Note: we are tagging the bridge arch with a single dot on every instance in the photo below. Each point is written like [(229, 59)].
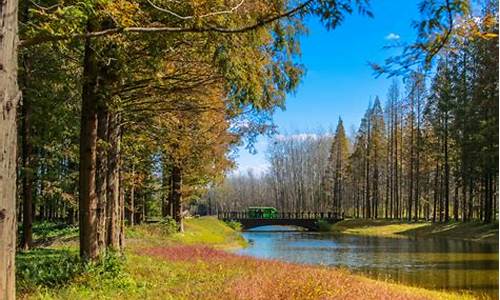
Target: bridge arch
[(309, 224)]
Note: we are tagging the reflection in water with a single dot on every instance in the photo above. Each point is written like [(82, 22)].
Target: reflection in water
[(431, 263)]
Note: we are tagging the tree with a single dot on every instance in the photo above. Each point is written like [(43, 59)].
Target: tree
[(378, 153), (10, 96), (336, 170)]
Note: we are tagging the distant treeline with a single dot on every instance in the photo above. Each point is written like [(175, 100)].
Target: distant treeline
[(431, 152)]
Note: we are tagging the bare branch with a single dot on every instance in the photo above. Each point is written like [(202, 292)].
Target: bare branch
[(165, 10)]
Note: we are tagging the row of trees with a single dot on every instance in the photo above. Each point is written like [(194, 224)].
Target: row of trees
[(431, 152), (112, 122), (292, 183), (131, 107)]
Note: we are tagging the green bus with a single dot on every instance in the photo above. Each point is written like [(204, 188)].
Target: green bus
[(262, 213)]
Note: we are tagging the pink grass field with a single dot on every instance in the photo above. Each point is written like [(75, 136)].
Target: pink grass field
[(251, 278)]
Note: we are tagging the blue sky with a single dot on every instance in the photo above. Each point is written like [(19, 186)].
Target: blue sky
[(338, 80)]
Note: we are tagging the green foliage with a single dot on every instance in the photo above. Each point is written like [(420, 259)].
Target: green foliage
[(46, 268), (236, 226), (50, 230), (168, 225), (41, 270), (109, 271), (323, 225), (162, 229)]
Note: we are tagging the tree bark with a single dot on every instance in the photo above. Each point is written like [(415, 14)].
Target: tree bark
[(132, 198), (177, 196), (113, 182), (121, 193), (367, 188), (27, 149), (101, 174), (89, 249), (167, 187), (9, 99), (446, 172)]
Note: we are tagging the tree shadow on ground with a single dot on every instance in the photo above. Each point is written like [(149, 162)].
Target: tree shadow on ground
[(469, 231)]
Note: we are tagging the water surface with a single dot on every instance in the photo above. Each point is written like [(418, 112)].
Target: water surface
[(435, 263)]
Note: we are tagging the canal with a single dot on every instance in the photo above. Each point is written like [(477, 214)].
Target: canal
[(431, 263)]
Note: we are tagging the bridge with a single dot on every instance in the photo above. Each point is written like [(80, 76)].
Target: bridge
[(308, 220)]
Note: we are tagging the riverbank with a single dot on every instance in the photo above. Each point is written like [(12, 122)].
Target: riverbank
[(164, 265), (478, 232)]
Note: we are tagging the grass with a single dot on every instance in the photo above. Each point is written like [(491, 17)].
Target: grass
[(197, 231), (162, 265), (46, 233), (198, 272), (389, 228)]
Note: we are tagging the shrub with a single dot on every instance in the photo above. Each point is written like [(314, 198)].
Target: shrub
[(46, 268), (234, 225), (169, 225), (323, 225), (109, 271), (54, 268)]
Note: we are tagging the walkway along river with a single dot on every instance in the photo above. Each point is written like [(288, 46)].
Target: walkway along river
[(431, 263)]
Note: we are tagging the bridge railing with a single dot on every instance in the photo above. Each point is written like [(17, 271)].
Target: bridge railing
[(304, 215)]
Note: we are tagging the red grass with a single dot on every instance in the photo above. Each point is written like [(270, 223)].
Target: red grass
[(267, 280), (187, 253)]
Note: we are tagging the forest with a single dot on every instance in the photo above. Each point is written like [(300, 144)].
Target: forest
[(429, 151), (116, 111)]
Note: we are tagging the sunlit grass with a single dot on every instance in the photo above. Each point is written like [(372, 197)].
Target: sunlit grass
[(205, 231), (209, 231), (196, 272), (397, 229), (392, 230)]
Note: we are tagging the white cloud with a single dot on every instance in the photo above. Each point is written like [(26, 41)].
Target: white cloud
[(392, 36), (297, 137), (257, 169)]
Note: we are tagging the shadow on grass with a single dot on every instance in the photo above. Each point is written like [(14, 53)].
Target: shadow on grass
[(46, 233), (352, 223), (48, 268), (471, 231)]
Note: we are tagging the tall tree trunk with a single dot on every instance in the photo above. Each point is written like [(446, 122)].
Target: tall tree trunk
[(455, 202), (368, 202), (464, 199), (122, 202), (387, 181), (132, 198), (470, 212), (410, 171), (9, 99), (167, 188), (417, 171), (101, 174), (113, 197), (89, 248), (446, 172), (401, 174), (177, 196), (27, 152), (27, 147), (436, 192)]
